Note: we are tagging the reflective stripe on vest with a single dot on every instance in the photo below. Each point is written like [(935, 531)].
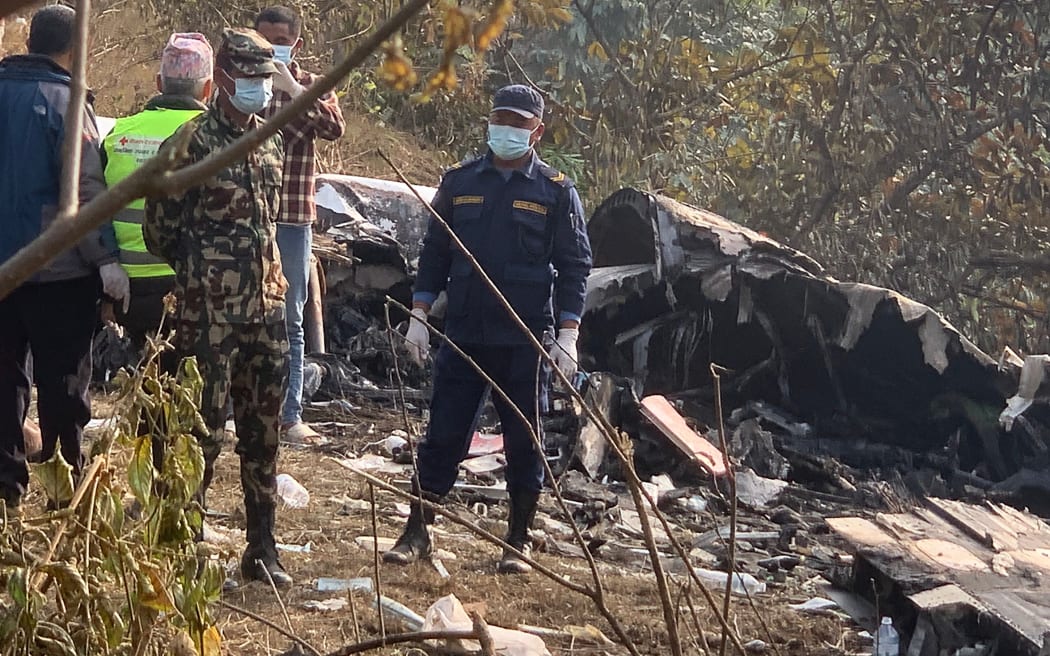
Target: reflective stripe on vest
[(134, 140)]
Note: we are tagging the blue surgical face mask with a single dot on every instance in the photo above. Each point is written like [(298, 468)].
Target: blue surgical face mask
[(251, 94), (283, 54), (508, 142)]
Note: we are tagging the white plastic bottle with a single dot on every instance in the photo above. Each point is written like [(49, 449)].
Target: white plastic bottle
[(743, 584), (887, 641), (292, 492)]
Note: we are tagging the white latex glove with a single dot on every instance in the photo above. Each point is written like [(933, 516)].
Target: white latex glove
[(115, 283), (418, 339), (564, 351), (283, 80)]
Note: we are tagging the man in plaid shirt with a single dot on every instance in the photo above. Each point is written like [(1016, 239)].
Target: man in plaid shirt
[(282, 27)]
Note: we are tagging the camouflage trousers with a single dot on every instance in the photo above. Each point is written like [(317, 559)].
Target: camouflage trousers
[(245, 363)]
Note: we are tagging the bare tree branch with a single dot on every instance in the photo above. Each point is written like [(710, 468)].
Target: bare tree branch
[(262, 620), (614, 55), (399, 638), (1008, 260), (156, 178), (73, 142)]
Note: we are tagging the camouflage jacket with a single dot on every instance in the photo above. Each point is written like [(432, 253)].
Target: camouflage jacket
[(220, 237)]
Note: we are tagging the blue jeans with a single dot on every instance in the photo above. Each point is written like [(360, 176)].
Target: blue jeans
[(295, 242)]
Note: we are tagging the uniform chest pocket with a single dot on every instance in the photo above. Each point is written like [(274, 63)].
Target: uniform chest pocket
[(530, 221), (227, 196), (466, 221)]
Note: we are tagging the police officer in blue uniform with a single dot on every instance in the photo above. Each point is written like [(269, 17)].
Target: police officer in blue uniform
[(523, 221)]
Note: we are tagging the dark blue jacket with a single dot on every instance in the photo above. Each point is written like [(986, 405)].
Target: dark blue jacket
[(529, 235), (34, 94)]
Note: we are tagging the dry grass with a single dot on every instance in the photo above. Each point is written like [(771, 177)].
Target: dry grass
[(504, 600)]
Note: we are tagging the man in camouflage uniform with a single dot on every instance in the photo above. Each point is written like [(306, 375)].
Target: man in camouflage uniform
[(220, 238)]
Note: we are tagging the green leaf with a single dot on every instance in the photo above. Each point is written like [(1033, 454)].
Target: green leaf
[(56, 478), (16, 587), (190, 378), (186, 456), (140, 470)]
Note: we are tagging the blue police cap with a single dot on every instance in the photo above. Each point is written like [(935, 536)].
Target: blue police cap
[(520, 99)]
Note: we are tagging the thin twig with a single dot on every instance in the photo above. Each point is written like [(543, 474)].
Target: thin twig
[(473, 528), (702, 638), (375, 554), (40, 577), (398, 638), (602, 422), (409, 433), (155, 177), (598, 593), (670, 614), (273, 586), (488, 646), (262, 620), (731, 480), (353, 615), (73, 142)]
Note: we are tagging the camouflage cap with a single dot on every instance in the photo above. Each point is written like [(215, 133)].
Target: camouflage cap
[(187, 56), (247, 51)]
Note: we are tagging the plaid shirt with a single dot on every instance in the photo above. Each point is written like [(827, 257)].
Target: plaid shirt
[(324, 120)]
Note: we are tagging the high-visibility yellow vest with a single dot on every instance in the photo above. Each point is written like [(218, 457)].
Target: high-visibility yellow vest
[(134, 140)]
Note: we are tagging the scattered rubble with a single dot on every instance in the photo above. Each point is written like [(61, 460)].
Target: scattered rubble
[(842, 400), (967, 574)]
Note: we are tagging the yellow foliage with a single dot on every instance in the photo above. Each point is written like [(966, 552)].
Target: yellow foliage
[(741, 153), (546, 13), (597, 51), (498, 16), (396, 69), (211, 643)]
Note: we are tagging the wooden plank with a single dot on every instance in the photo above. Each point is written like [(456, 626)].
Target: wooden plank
[(1037, 558), (1025, 613), (938, 556), (860, 531), (942, 553), (984, 527)]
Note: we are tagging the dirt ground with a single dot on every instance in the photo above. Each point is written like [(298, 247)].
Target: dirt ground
[(332, 531)]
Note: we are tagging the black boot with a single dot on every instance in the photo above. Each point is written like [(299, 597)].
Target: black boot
[(522, 512), (414, 542), (260, 562)]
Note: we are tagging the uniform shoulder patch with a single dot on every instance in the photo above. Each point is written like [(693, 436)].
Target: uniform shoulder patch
[(465, 163), (556, 176)]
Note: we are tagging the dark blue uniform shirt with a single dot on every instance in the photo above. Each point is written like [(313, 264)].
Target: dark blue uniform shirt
[(528, 233)]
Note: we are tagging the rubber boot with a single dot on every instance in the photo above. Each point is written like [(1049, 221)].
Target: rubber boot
[(260, 562), (414, 543), (522, 512)]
